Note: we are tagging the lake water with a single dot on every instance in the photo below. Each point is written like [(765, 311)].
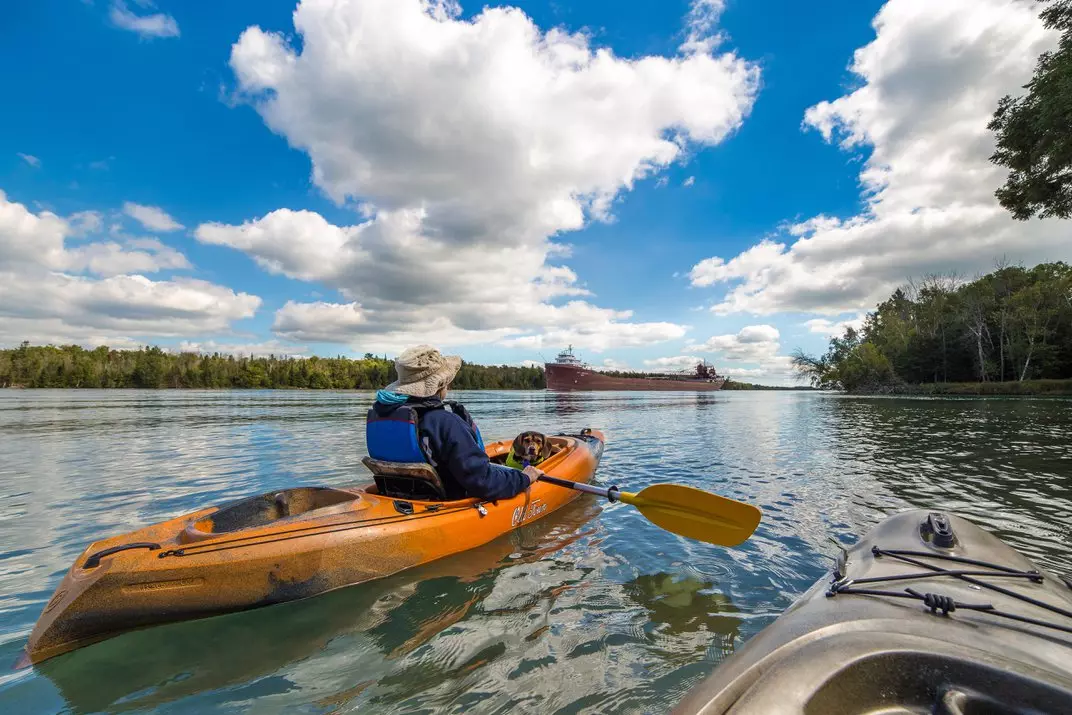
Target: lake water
[(592, 609)]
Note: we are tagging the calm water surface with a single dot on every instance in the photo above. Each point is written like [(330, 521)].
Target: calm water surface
[(592, 609)]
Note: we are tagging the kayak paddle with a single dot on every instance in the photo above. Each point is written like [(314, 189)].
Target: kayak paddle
[(687, 511)]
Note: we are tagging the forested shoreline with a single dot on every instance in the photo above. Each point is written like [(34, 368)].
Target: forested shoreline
[(71, 366), (735, 385), (1013, 325)]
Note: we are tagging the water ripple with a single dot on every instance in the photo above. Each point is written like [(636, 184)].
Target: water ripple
[(592, 609)]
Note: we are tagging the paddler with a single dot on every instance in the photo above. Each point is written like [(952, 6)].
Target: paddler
[(448, 439)]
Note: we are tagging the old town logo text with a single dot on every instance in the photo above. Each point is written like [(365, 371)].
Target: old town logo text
[(521, 514)]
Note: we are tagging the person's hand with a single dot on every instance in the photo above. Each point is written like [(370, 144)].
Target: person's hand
[(532, 473)]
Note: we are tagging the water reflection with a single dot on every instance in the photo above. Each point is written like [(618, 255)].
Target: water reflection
[(684, 603), (679, 605)]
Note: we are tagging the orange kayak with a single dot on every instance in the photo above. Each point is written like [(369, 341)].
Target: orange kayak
[(282, 546)]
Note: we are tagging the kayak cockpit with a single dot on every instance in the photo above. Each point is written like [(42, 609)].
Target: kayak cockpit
[(871, 672), (264, 509), (559, 445), (420, 481)]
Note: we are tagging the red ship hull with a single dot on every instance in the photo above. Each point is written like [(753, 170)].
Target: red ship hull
[(571, 378)]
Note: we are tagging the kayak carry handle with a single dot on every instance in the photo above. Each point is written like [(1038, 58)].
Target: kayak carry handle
[(94, 559)]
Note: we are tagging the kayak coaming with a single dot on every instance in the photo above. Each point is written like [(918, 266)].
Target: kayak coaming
[(853, 653), (194, 575)]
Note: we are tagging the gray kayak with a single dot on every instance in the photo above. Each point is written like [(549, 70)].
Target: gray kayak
[(928, 613)]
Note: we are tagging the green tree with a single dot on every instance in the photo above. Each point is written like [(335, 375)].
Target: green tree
[(865, 367), (816, 370), (1012, 324), (1032, 131), (850, 363)]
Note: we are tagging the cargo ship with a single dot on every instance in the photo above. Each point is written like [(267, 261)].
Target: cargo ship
[(569, 373)]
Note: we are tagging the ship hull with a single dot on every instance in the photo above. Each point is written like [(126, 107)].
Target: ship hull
[(573, 379)]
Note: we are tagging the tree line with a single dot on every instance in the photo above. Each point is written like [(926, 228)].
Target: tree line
[(1013, 324), (735, 385), (152, 367)]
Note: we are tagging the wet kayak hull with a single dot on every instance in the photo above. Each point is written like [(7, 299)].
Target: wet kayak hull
[(838, 650)]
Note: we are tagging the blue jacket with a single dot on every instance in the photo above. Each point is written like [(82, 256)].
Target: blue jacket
[(460, 462)]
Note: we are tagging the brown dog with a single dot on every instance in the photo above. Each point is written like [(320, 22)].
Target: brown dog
[(531, 447)]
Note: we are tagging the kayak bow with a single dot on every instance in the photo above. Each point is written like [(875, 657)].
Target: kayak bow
[(928, 613)]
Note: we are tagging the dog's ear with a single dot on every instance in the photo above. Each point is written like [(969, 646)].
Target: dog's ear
[(517, 447), (546, 451)]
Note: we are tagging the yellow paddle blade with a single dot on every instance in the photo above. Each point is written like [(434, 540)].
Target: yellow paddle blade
[(696, 514)]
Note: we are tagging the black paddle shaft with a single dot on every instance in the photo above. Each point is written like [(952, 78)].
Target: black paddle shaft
[(611, 494)]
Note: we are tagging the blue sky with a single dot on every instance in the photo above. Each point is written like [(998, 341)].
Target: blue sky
[(652, 182)]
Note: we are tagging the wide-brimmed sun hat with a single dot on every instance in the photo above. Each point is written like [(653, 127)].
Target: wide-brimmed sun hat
[(423, 371)]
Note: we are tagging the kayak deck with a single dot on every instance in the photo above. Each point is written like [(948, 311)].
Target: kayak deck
[(281, 546), (860, 641)]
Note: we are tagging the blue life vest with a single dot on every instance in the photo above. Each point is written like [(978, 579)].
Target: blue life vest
[(394, 435)]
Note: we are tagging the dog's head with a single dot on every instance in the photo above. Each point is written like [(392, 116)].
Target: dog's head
[(531, 447)]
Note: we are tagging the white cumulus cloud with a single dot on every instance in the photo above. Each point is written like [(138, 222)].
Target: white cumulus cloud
[(43, 297), (110, 258), (612, 365), (929, 83), (757, 345), (831, 328), (84, 223), (600, 335), (263, 349), (490, 138), (751, 343), (489, 123), (673, 363), (153, 218), (701, 23), (63, 307), (29, 159)]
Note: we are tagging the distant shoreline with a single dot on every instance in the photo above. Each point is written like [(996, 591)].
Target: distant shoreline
[(733, 385), (152, 368), (736, 388), (1011, 388)]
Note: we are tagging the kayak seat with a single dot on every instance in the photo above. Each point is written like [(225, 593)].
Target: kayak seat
[(406, 480), (398, 458)]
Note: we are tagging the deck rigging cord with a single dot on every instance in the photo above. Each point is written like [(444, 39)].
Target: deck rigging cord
[(946, 604)]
